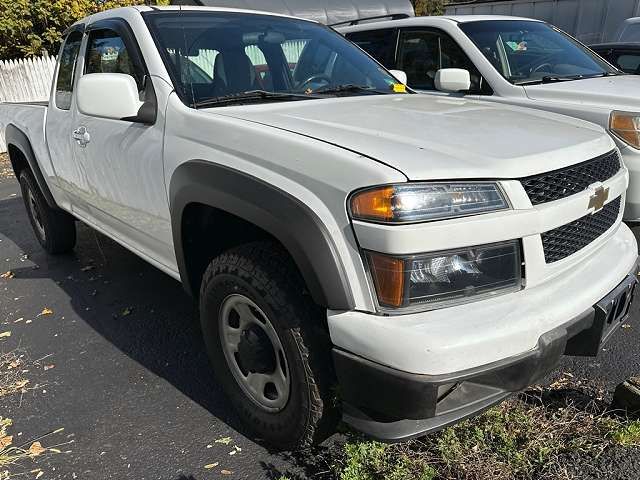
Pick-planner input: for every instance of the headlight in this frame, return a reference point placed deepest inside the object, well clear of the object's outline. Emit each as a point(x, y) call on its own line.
point(626, 126)
point(420, 202)
point(456, 276)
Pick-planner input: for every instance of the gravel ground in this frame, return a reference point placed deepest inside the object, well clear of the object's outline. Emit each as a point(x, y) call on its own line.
point(119, 364)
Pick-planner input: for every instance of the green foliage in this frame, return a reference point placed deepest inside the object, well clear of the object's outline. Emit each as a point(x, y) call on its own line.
point(375, 460)
point(521, 439)
point(429, 7)
point(627, 435)
point(29, 27)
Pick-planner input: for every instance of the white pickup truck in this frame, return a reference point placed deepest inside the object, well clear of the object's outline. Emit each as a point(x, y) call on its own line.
point(512, 60)
point(407, 258)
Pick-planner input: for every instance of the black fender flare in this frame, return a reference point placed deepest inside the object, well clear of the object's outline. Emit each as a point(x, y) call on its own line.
point(287, 219)
point(14, 137)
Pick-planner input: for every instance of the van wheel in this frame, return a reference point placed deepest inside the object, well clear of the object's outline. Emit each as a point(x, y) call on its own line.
point(269, 351)
point(54, 229)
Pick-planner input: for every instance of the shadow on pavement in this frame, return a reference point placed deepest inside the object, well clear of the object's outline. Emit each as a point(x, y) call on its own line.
point(137, 308)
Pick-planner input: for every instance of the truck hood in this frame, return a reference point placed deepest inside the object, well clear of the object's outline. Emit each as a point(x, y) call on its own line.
point(621, 92)
point(427, 137)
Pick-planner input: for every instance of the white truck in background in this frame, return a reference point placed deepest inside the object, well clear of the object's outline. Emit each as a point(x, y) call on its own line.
point(417, 252)
point(516, 61)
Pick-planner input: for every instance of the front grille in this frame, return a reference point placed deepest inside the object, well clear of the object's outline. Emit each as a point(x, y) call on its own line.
point(563, 241)
point(562, 183)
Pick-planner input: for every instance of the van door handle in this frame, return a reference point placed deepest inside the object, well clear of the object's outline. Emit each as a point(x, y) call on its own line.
point(81, 136)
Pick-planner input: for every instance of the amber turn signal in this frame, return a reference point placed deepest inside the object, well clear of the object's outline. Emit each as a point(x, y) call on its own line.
point(374, 204)
point(388, 277)
point(626, 126)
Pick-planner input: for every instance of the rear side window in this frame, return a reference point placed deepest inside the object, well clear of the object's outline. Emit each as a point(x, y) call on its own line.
point(380, 44)
point(66, 70)
point(108, 53)
point(628, 62)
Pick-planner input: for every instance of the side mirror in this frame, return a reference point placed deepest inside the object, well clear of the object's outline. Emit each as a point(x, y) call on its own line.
point(109, 95)
point(400, 76)
point(452, 80)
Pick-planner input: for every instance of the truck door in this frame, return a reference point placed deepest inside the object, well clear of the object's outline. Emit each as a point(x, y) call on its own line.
point(123, 159)
point(60, 118)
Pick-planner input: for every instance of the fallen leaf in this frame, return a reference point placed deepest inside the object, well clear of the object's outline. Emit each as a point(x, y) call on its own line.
point(211, 465)
point(233, 452)
point(87, 268)
point(626, 325)
point(5, 441)
point(55, 450)
point(126, 312)
point(40, 473)
point(567, 374)
point(22, 383)
point(36, 449)
point(224, 440)
point(48, 367)
point(46, 311)
point(6, 334)
point(28, 321)
point(8, 274)
point(226, 472)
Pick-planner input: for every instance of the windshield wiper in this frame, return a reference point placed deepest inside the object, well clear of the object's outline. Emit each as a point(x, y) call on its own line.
point(349, 88)
point(567, 78)
point(252, 96)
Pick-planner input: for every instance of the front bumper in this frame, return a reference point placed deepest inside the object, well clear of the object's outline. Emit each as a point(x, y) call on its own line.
point(393, 405)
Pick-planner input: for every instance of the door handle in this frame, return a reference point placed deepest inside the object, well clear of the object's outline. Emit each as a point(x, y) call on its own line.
point(81, 136)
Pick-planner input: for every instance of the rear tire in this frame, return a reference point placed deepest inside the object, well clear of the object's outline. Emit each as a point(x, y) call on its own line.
point(54, 229)
point(259, 323)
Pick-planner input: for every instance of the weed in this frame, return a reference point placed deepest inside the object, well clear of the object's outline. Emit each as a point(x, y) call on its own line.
point(523, 438)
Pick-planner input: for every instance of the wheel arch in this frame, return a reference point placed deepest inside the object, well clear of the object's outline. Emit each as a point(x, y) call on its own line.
point(21, 156)
point(267, 209)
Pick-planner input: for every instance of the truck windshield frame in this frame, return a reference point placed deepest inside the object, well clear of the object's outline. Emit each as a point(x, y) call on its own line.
point(527, 52)
point(214, 55)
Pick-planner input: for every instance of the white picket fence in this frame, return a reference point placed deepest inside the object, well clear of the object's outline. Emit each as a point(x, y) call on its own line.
point(25, 80)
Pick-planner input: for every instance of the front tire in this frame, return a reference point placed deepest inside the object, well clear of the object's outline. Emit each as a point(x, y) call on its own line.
point(269, 351)
point(54, 229)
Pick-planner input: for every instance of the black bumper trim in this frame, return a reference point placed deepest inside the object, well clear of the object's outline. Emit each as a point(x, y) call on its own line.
point(392, 405)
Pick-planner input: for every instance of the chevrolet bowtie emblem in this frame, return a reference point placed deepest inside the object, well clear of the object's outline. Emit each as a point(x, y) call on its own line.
point(598, 199)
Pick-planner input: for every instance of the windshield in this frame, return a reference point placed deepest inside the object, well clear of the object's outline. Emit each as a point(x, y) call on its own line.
point(248, 57)
point(534, 52)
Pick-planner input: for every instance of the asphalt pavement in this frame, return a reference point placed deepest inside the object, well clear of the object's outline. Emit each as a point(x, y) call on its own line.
point(119, 364)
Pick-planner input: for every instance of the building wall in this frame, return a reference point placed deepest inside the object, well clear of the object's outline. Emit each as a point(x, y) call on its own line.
point(591, 21)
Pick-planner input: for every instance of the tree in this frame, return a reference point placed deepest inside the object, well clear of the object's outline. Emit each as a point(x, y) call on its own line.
point(29, 27)
point(429, 7)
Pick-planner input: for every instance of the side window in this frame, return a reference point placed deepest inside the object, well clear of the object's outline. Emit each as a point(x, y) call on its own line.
point(452, 56)
point(419, 57)
point(628, 62)
point(108, 53)
point(380, 44)
point(66, 70)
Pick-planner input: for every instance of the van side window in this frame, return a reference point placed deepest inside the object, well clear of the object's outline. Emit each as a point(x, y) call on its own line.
point(66, 70)
point(380, 44)
point(422, 53)
point(108, 53)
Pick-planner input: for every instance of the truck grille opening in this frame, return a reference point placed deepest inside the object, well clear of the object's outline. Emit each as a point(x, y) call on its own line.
point(562, 183)
point(566, 240)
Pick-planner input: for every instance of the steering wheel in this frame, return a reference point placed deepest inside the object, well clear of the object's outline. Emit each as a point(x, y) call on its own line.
point(316, 77)
point(539, 67)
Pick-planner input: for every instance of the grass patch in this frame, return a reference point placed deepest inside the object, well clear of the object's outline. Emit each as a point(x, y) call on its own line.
point(523, 438)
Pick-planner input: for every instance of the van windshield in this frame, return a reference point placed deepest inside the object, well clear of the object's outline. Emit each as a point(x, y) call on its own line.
point(222, 58)
point(528, 52)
